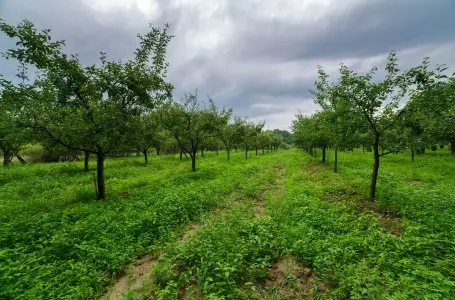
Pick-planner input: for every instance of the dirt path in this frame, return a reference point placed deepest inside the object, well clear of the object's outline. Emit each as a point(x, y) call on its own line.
point(272, 190)
point(140, 272)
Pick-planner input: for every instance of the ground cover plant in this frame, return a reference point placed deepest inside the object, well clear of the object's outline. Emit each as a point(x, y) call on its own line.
point(251, 218)
point(57, 241)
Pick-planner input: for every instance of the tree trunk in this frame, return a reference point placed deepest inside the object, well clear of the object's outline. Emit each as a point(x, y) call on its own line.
point(256, 151)
point(146, 159)
point(6, 158)
point(101, 193)
point(246, 153)
point(363, 149)
point(263, 150)
point(374, 175)
point(217, 151)
point(412, 154)
point(86, 160)
point(202, 152)
point(452, 146)
point(193, 161)
point(323, 154)
point(158, 151)
point(335, 166)
point(228, 154)
point(22, 160)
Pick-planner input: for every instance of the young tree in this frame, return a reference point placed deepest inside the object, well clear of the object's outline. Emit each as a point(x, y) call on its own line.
point(89, 108)
point(228, 134)
point(377, 103)
point(147, 134)
point(264, 140)
point(342, 126)
point(276, 141)
point(247, 132)
point(191, 123)
point(311, 132)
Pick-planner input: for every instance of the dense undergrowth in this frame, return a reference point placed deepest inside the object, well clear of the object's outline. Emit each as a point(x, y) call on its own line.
point(56, 241)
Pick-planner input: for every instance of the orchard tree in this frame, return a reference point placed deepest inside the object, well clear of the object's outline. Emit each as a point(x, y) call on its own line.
point(12, 135)
point(311, 132)
point(191, 123)
point(276, 141)
point(342, 125)
point(89, 108)
point(264, 140)
point(286, 135)
point(434, 104)
point(228, 134)
point(247, 132)
point(147, 134)
point(411, 131)
point(376, 102)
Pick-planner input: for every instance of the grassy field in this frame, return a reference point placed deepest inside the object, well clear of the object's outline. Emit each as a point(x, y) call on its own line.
point(278, 226)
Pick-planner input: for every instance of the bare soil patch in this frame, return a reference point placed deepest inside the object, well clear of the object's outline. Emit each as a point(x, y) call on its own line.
point(290, 279)
point(313, 168)
point(190, 292)
point(190, 231)
point(387, 219)
point(133, 280)
point(362, 205)
point(415, 182)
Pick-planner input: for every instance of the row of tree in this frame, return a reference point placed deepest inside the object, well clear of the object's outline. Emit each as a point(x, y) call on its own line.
point(412, 109)
point(111, 106)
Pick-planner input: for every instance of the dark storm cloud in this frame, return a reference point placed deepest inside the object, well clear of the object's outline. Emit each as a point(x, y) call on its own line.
point(368, 29)
point(258, 57)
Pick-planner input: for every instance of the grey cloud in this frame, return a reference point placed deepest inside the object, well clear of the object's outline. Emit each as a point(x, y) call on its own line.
point(371, 28)
point(258, 57)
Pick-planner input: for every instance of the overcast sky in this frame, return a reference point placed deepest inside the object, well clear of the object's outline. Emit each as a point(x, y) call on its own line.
point(257, 56)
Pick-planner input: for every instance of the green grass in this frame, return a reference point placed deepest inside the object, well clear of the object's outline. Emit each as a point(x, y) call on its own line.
point(56, 241)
